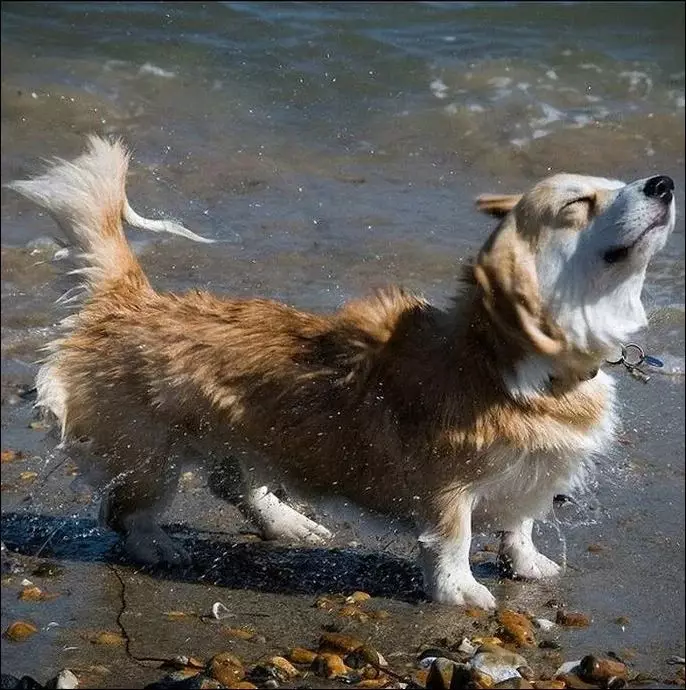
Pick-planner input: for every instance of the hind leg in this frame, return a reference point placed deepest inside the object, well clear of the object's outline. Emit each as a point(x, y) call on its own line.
point(133, 506)
point(236, 481)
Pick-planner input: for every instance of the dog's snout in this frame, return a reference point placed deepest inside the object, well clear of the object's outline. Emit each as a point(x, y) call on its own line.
point(659, 187)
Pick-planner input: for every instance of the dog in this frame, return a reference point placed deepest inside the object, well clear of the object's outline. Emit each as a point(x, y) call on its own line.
point(480, 412)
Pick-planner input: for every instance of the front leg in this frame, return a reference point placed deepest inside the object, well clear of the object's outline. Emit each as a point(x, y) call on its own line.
point(520, 558)
point(444, 557)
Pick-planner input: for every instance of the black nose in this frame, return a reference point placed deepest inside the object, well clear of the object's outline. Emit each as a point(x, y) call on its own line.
point(660, 187)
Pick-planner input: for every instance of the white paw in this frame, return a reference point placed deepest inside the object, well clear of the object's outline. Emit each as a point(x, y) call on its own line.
point(286, 524)
point(529, 565)
point(153, 546)
point(464, 592)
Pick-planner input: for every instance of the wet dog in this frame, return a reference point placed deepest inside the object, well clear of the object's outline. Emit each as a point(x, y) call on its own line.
point(483, 411)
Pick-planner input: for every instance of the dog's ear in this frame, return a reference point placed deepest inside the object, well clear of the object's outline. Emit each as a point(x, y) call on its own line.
point(506, 273)
point(497, 205)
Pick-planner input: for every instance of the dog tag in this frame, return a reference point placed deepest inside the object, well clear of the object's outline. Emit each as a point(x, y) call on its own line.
point(653, 361)
point(638, 374)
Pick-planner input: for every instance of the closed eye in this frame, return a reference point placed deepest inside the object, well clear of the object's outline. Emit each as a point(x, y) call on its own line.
point(588, 200)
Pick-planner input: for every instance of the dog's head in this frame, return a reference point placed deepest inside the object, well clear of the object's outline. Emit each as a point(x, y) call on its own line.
point(562, 274)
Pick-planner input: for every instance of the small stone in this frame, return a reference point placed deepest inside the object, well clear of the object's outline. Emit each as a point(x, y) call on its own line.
point(108, 638)
point(355, 612)
point(568, 667)
point(573, 681)
point(365, 655)
point(9, 456)
point(338, 642)
point(358, 598)
point(284, 668)
point(487, 640)
point(328, 665)
point(379, 615)
point(329, 602)
point(549, 684)
point(445, 674)
point(600, 670)
point(572, 619)
point(299, 655)
point(20, 631)
point(514, 683)
point(175, 615)
point(239, 633)
point(227, 668)
point(34, 593)
point(28, 476)
point(517, 628)
point(498, 666)
point(595, 548)
point(466, 647)
point(382, 682)
point(676, 660)
point(544, 624)
point(39, 426)
point(66, 680)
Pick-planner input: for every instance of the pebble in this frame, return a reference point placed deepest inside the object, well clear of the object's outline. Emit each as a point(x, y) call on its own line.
point(498, 667)
point(66, 680)
point(20, 631)
point(514, 683)
point(239, 633)
point(466, 647)
point(358, 598)
point(445, 674)
point(34, 593)
point(517, 627)
point(549, 684)
point(600, 670)
point(676, 660)
point(10, 456)
point(363, 656)
point(349, 611)
point(572, 619)
point(568, 667)
point(544, 624)
point(227, 668)
point(338, 642)
point(108, 638)
point(299, 655)
point(573, 681)
point(329, 666)
point(284, 669)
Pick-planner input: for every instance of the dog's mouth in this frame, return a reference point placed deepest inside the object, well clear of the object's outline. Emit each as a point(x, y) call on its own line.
point(620, 252)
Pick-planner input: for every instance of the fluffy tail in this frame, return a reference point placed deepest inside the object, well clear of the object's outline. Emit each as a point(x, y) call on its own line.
point(87, 199)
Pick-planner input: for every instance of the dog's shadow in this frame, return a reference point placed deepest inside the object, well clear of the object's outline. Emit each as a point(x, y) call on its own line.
point(215, 559)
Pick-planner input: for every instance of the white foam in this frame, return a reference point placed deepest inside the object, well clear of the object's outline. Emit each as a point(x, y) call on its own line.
point(590, 66)
point(519, 143)
point(149, 68)
point(439, 88)
point(551, 74)
point(499, 82)
point(636, 79)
